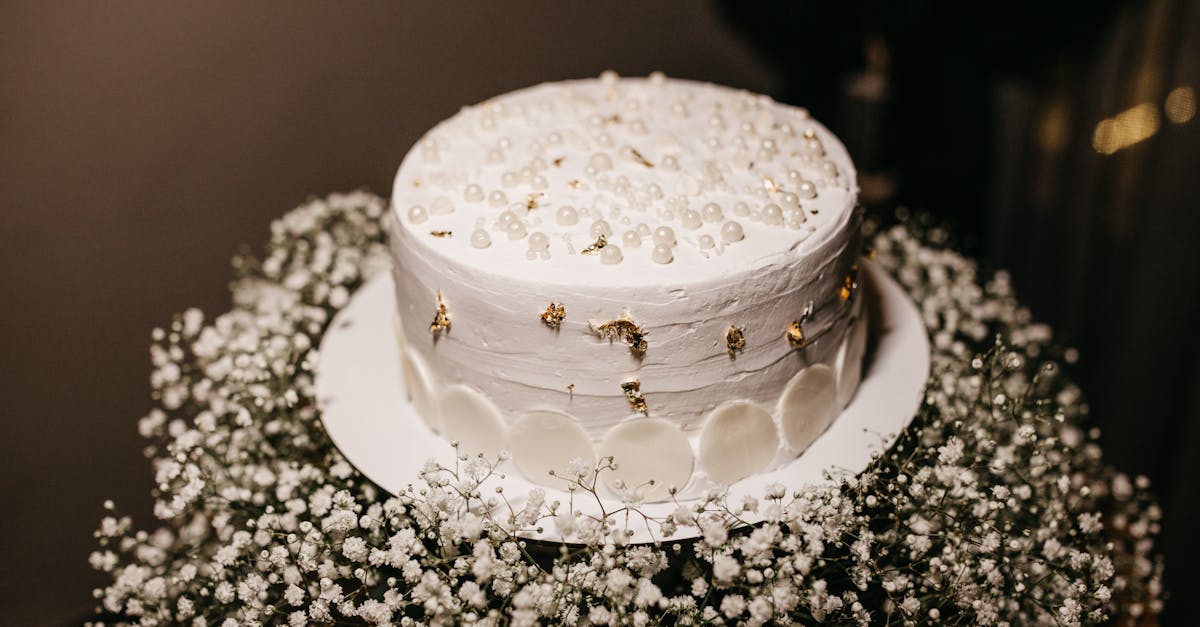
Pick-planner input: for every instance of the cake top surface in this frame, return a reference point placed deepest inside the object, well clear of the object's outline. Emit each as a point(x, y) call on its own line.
point(624, 182)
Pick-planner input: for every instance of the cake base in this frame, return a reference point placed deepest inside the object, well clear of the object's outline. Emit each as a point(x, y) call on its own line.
point(367, 415)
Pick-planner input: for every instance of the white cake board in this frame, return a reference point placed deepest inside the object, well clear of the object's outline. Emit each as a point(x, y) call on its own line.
point(365, 410)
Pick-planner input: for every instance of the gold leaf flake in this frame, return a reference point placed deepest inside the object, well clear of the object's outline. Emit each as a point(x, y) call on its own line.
point(554, 315)
point(441, 233)
point(770, 185)
point(626, 330)
point(574, 184)
point(795, 335)
point(633, 394)
point(637, 156)
point(849, 284)
point(571, 390)
point(735, 340)
point(594, 248)
point(416, 182)
point(532, 200)
point(613, 119)
point(558, 162)
point(441, 319)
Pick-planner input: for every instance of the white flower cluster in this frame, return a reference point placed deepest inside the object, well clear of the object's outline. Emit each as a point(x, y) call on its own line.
point(993, 508)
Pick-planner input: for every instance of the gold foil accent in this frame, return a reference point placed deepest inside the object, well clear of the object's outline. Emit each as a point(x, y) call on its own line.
point(558, 162)
point(441, 319)
point(626, 330)
point(571, 390)
point(441, 233)
point(574, 184)
point(735, 340)
point(637, 156)
point(416, 182)
point(594, 248)
point(849, 284)
point(613, 119)
point(770, 185)
point(554, 315)
point(633, 394)
point(794, 333)
point(531, 201)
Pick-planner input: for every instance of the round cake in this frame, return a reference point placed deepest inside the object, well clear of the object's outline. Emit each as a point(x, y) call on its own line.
point(657, 271)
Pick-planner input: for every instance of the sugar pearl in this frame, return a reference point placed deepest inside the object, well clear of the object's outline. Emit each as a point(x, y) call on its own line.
point(631, 239)
point(772, 214)
point(600, 227)
point(515, 229)
point(657, 78)
point(566, 216)
point(669, 162)
point(509, 179)
point(505, 218)
point(662, 254)
point(790, 200)
point(601, 162)
point(830, 169)
point(664, 236)
point(712, 212)
point(691, 219)
point(707, 242)
point(643, 229)
point(741, 209)
point(731, 232)
point(806, 189)
point(540, 182)
point(417, 214)
point(497, 198)
point(473, 193)
point(495, 156)
point(610, 254)
point(480, 238)
point(443, 205)
point(538, 241)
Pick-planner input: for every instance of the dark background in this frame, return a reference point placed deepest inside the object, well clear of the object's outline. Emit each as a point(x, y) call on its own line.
point(142, 144)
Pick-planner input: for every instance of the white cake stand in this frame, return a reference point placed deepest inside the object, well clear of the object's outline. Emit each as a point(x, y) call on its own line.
point(365, 410)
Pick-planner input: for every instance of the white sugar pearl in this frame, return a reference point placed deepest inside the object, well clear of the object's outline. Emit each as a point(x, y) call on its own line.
point(497, 198)
point(794, 217)
point(600, 162)
point(417, 214)
point(473, 193)
point(505, 218)
point(480, 238)
point(712, 212)
point(806, 189)
point(662, 254)
point(443, 205)
point(643, 229)
point(830, 169)
point(495, 156)
point(554, 139)
point(657, 78)
point(669, 162)
point(741, 209)
point(814, 148)
point(687, 185)
point(526, 173)
point(608, 77)
point(504, 143)
point(790, 200)
point(707, 242)
point(664, 236)
point(610, 255)
point(731, 232)
point(691, 219)
point(631, 239)
point(772, 214)
point(509, 179)
point(566, 216)
point(540, 182)
point(538, 241)
point(654, 191)
point(600, 227)
point(515, 229)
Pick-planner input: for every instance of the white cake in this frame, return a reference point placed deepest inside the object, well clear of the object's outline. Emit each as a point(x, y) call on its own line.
point(656, 270)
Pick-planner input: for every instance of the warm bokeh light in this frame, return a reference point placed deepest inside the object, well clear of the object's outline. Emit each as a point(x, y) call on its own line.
point(1125, 129)
point(1180, 105)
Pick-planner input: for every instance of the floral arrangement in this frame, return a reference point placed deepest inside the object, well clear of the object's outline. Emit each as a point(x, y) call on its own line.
point(992, 508)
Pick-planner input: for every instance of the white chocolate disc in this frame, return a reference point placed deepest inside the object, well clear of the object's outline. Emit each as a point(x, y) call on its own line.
point(738, 440)
point(850, 360)
point(471, 419)
point(542, 441)
point(808, 406)
point(419, 387)
point(646, 449)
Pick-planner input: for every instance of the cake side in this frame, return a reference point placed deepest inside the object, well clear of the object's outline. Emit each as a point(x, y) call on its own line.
point(705, 342)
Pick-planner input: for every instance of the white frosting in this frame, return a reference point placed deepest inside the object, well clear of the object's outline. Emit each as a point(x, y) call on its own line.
point(651, 455)
point(719, 208)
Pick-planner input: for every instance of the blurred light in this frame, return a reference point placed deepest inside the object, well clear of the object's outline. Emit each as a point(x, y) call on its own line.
point(1126, 129)
point(1180, 105)
point(1053, 132)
